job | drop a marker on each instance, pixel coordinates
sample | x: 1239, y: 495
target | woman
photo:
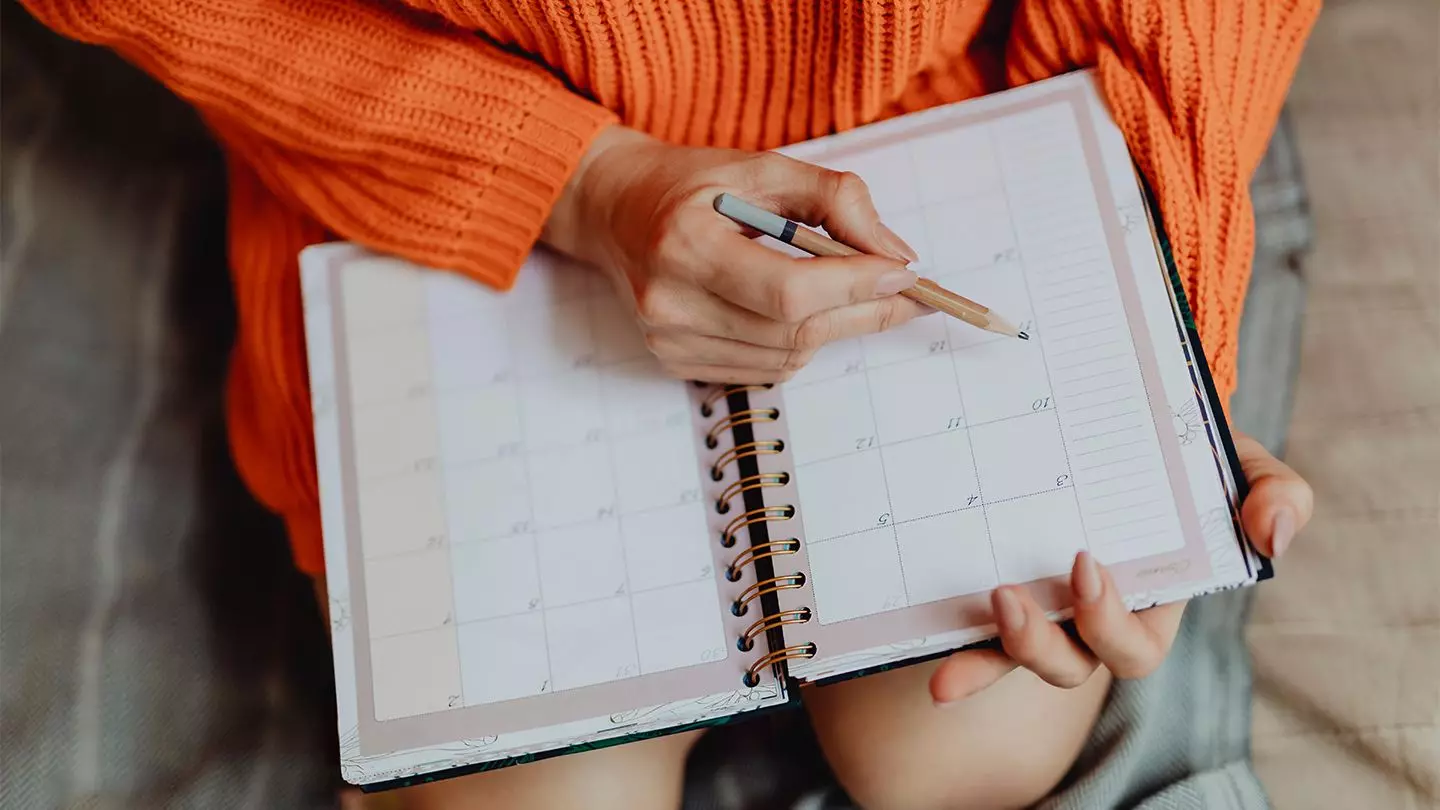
x: 459, y: 133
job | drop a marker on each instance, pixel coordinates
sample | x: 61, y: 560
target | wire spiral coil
x: 760, y: 554
x: 762, y: 515
x: 748, y: 483
x: 752, y: 675
x: 742, y: 451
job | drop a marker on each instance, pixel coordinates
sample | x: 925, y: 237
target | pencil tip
x: 1024, y: 336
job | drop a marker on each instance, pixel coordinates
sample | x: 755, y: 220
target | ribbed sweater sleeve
x: 1197, y: 86
x: 389, y: 127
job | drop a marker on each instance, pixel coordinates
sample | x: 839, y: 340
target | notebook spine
x: 761, y: 523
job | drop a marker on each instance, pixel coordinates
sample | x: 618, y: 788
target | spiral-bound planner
x: 537, y: 543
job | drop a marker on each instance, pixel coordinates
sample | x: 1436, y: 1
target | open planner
x: 536, y: 542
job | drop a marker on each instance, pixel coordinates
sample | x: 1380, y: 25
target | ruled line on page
x: 1101, y: 404
x: 1122, y: 507
x: 1130, y: 522
x: 1107, y: 418
x: 1104, y: 464
x: 1106, y: 433
x: 1086, y: 319
x: 1122, y: 477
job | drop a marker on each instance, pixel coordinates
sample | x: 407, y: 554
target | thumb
x: 1280, y: 501
x: 967, y: 672
x: 839, y: 202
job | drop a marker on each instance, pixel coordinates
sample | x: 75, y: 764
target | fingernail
x: 1282, y: 531
x: 1012, y: 614
x: 1086, y: 579
x: 894, y: 281
x: 895, y: 244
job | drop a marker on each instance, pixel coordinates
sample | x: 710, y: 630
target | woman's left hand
x: 1130, y: 645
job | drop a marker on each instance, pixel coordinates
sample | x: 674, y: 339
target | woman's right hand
x: 714, y: 304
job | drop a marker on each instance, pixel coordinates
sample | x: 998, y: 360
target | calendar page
x: 518, y: 549
x: 934, y: 462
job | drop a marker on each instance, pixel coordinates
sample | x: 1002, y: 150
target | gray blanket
x: 159, y: 651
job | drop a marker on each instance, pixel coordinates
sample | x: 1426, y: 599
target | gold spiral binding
x: 707, y: 407
x: 752, y: 675
x: 785, y: 582
x: 754, y: 554
x: 761, y: 515
x: 749, y: 416
x: 765, y: 447
x: 764, y: 624
x: 749, y: 482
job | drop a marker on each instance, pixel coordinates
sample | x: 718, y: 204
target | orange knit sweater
x: 443, y: 130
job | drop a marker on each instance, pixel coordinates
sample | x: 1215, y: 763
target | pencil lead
x: 1024, y: 336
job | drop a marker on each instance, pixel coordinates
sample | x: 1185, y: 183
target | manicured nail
x: 1012, y: 614
x: 895, y: 244
x: 894, y: 281
x: 1282, y: 531
x: 1086, y: 580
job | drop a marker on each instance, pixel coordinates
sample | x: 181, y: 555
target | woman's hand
x: 1130, y: 645
x: 714, y: 304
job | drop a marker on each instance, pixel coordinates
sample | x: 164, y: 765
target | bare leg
x: 645, y: 775
x: 1007, y: 746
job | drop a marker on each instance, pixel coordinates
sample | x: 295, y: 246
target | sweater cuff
x: 539, y: 159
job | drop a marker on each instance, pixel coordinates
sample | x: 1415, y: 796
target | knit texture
x: 444, y: 131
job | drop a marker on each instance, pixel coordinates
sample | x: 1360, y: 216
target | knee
x: 644, y: 775
x: 1007, y: 747
x: 881, y: 777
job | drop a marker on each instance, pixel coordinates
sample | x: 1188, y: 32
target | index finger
x: 790, y: 289
x: 967, y: 672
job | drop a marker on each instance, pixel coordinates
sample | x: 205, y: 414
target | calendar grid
x: 1041, y: 247
x: 811, y: 380
x: 979, y: 486
x: 452, y: 634
x: 519, y: 613
x: 445, y: 547
x: 1047, y: 269
x: 531, y: 495
x: 615, y: 491
x: 921, y: 518
x: 916, y: 206
x: 510, y: 535
x: 535, y: 553
x: 889, y: 501
x: 923, y: 436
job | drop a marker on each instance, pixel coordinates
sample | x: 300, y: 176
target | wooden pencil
x: 815, y: 243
